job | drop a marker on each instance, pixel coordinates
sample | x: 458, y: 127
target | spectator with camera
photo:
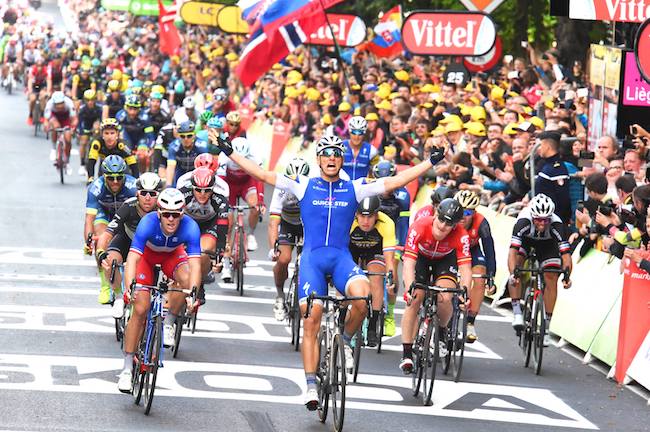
x: 597, y: 202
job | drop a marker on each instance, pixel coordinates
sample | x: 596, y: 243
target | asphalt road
x: 59, y: 359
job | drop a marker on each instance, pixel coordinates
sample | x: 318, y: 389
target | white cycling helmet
x: 58, y: 97
x: 171, y: 199
x: 329, y: 141
x: 240, y: 146
x: 358, y: 123
x: 541, y: 206
x: 149, y: 182
x: 189, y: 102
x: 468, y: 199
x: 297, y: 166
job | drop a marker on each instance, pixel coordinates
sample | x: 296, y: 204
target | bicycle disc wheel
x: 338, y: 382
x: 526, y: 335
x: 380, y: 331
x: 539, y: 331
x: 420, y: 350
x: 154, y: 360
x: 356, y: 354
x: 432, y: 339
x: 458, y: 346
x: 323, y: 376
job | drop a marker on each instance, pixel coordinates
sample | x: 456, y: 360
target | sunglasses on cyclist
x: 356, y: 132
x: 446, y: 222
x: 468, y: 213
x: 203, y: 190
x: 114, y: 177
x: 186, y: 135
x: 233, y: 124
x: 542, y: 220
x: 146, y: 193
x: 173, y: 215
x: 331, y: 152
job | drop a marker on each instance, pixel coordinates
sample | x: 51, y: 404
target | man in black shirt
x: 552, y: 178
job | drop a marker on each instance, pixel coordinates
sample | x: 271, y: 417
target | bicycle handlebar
x: 532, y: 271
x: 438, y: 289
x: 241, y: 207
x: 335, y: 300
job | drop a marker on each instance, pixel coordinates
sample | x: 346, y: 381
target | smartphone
x: 584, y: 154
x: 513, y: 75
x: 524, y: 44
x: 634, y: 130
x: 561, y: 94
x: 582, y: 92
x: 580, y: 205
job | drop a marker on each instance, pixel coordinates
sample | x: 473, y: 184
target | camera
x: 605, y: 209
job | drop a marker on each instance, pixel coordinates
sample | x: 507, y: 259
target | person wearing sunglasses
x: 328, y: 205
x: 483, y: 255
x: 211, y: 162
x: 209, y: 209
x: 172, y: 239
x: 104, y: 198
x: 437, y: 249
x: 109, y: 143
x: 538, y: 226
x: 359, y: 154
x: 115, y: 242
x: 183, y: 151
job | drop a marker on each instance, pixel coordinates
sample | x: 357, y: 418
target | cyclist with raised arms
x: 115, y: 242
x: 327, y: 205
x: 538, y: 226
x: 483, y: 256
x: 285, y: 228
x: 437, y: 248
x: 105, y: 196
x: 173, y: 240
x: 359, y: 154
x: 372, y: 245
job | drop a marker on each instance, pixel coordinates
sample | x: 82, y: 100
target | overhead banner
x: 229, y: 20
x: 448, y: 33
x: 610, y: 10
x: 116, y: 5
x: 349, y: 30
x: 200, y: 13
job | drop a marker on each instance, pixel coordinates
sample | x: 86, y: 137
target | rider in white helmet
x: 359, y: 154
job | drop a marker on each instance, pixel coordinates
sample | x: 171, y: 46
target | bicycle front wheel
x: 152, y: 364
x: 539, y: 331
x: 178, y: 332
x: 431, y: 360
x: 338, y: 382
x: 381, y: 320
x: 420, y: 352
x: 294, y: 313
x: 239, y: 258
x: 526, y: 336
x: 323, y: 376
x: 358, y: 343
x: 60, y: 160
x: 458, y: 346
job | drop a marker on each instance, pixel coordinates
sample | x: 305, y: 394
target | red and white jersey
x: 230, y: 171
x: 425, y: 211
x: 420, y: 241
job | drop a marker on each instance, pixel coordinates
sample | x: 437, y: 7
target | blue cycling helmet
x: 215, y: 122
x: 113, y: 164
x: 186, y: 127
x: 132, y: 100
x: 179, y: 87
x: 383, y: 169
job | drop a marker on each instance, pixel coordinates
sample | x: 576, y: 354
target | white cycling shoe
x: 518, y: 322
x: 124, y: 381
x: 349, y: 358
x: 82, y: 172
x: 226, y: 274
x: 168, y: 338
x: 118, y: 307
x: 251, y: 243
x: 311, y: 400
x: 279, y: 309
x: 52, y: 155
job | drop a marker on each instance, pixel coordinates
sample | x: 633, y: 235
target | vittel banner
x: 610, y: 10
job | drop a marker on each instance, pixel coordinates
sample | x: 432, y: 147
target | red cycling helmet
x: 203, y: 177
x: 206, y: 160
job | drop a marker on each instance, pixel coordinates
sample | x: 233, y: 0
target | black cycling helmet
x: 441, y: 193
x: 450, y: 211
x: 369, y: 205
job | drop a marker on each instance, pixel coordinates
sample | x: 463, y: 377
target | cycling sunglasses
x: 542, y: 220
x: 356, y: 132
x: 173, y: 215
x: 331, y: 151
x: 145, y: 193
x: 114, y: 177
x: 203, y: 190
x: 468, y: 213
x: 186, y: 135
x: 446, y: 222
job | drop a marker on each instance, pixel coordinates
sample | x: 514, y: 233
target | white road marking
x: 224, y: 381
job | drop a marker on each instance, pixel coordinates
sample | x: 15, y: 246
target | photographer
x: 586, y: 214
x: 628, y: 226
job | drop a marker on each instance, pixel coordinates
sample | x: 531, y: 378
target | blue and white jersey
x: 100, y: 200
x: 358, y: 167
x: 328, y: 209
x: 150, y: 234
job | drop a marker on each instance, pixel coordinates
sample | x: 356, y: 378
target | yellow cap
x: 453, y: 127
x: 527, y: 109
x: 312, y: 94
x: 372, y: 116
x: 475, y: 100
x: 231, y: 56
x: 355, y: 87
x: 465, y: 110
x: 327, y: 119
x: 453, y: 118
x: 537, y: 122
x: 475, y: 128
x: 478, y: 113
x: 294, y: 77
x: 393, y: 95
x: 344, y: 107
x: 206, y: 72
x: 357, y: 111
x: 549, y: 104
x: 384, y: 104
x: 383, y: 92
x: 426, y: 105
x: 402, y: 75
x: 510, y: 129
x: 291, y: 92
x: 497, y: 93
x: 427, y: 88
x: 438, y: 131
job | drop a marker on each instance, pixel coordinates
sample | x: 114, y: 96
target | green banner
x: 116, y: 5
x: 136, y: 7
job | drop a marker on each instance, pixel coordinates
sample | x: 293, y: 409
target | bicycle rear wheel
x: 420, y: 352
x: 358, y: 343
x: 323, y: 376
x: 432, y: 339
x: 294, y: 313
x: 539, y: 331
x: 338, y: 382
x: 152, y: 364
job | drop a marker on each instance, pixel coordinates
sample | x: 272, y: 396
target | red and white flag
x: 169, y: 38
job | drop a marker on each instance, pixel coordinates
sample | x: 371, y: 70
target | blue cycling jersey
x: 149, y: 234
x: 102, y: 202
x: 358, y: 167
x: 138, y: 131
x: 185, y: 158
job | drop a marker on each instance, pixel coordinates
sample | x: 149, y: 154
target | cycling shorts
x: 547, y: 250
x: 66, y: 122
x: 120, y: 243
x: 317, y: 264
x: 428, y: 270
x: 289, y: 234
x: 209, y: 228
x: 478, y: 259
x: 169, y: 261
x: 240, y: 188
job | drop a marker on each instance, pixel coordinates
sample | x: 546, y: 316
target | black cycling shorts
x: 547, y: 250
x: 428, y: 270
x: 120, y: 243
x: 289, y: 234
